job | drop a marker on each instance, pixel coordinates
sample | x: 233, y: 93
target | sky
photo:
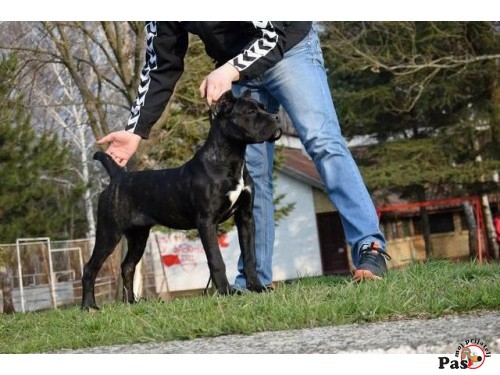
x: 317, y: 10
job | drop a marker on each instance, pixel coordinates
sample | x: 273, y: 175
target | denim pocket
x: 317, y: 52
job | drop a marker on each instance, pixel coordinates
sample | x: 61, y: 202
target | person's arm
x: 263, y: 51
x: 166, y: 46
x: 121, y: 145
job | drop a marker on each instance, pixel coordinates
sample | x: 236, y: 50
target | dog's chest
x: 235, y: 192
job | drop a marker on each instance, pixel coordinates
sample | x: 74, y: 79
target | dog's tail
x: 109, y: 164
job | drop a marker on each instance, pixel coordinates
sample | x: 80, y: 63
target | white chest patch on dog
x: 235, y: 194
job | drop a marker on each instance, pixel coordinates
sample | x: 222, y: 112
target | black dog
x: 207, y: 190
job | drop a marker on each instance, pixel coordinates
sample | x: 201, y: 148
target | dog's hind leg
x: 106, y: 241
x: 136, y: 240
x: 208, y: 236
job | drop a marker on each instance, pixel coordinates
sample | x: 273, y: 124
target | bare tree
x: 393, y: 47
x: 102, y: 59
x: 79, y: 80
x: 71, y: 119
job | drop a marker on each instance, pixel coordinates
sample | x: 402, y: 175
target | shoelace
x: 370, y: 254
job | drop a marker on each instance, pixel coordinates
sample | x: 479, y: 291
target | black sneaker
x: 371, y: 262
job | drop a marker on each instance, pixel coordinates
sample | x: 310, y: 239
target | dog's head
x: 467, y: 354
x: 244, y: 119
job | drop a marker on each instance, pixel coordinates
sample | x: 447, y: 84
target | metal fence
x: 47, y: 274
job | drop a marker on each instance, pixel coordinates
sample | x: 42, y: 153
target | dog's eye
x: 251, y: 111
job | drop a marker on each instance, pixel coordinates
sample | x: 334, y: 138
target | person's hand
x: 122, y: 145
x: 218, y: 82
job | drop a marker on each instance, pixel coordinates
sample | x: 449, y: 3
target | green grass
x: 422, y: 290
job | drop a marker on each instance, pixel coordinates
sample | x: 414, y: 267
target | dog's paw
x: 236, y: 292
x: 89, y: 308
x: 257, y: 288
x: 225, y: 291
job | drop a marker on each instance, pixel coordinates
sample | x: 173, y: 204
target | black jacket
x: 251, y: 47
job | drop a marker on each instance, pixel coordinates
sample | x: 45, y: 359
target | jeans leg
x: 299, y: 83
x: 259, y: 162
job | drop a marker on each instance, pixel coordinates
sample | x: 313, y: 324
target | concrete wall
x: 296, y: 247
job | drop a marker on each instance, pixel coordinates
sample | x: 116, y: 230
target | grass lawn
x: 423, y: 290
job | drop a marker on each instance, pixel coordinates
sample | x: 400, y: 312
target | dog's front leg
x: 208, y: 236
x: 245, y: 224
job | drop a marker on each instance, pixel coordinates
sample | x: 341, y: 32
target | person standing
x: 280, y: 63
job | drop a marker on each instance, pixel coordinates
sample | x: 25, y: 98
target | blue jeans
x: 299, y: 83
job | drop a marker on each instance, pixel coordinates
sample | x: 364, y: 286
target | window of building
x: 441, y: 222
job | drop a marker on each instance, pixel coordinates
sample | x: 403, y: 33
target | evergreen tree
x: 32, y: 203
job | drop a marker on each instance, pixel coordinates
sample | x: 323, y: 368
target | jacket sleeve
x: 166, y: 45
x: 263, y: 51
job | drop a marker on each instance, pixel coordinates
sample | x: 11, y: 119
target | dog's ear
x: 225, y: 103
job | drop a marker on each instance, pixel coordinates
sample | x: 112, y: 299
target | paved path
x: 429, y: 336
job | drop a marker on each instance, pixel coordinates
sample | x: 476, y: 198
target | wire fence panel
x: 47, y: 274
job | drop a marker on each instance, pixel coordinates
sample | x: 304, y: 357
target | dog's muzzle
x: 276, y: 135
